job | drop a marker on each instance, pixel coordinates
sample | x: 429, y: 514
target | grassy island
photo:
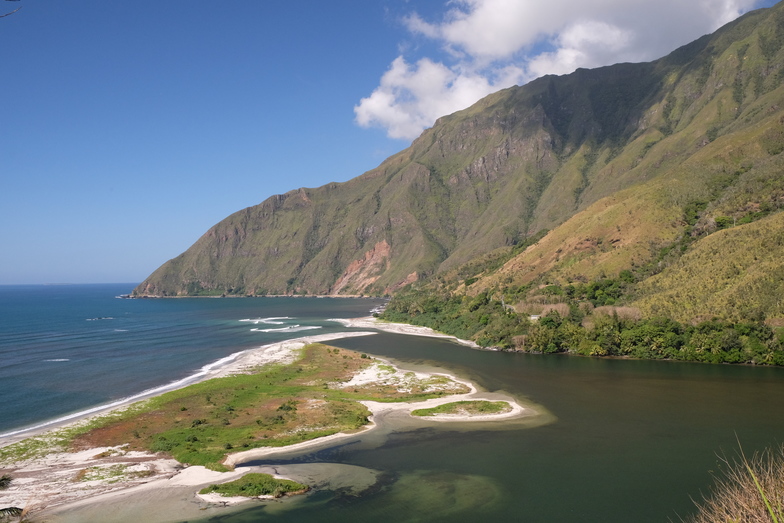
x: 466, y: 408
x: 271, y: 406
x: 274, y: 397
x: 256, y: 484
x: 275, y: 406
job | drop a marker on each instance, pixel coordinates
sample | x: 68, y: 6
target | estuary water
x: 621, y: 441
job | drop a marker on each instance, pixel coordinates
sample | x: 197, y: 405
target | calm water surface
x: 633, y: 440
x: 630, y: 441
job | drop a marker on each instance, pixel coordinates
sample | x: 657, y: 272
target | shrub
x: 256, y: 484
x: 749, y: 490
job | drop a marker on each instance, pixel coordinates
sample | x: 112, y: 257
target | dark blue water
x: 65, y: 349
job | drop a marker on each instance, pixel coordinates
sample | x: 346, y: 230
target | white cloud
x: 411, y: 97
x: 586, y: 44
x: 491, y: 44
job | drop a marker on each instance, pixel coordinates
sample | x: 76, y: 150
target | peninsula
x: 287, y: 397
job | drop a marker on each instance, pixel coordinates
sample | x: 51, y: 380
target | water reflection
x: 628, y: 441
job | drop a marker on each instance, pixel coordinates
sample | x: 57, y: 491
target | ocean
x: 68, y: 349
x: 626, y: 440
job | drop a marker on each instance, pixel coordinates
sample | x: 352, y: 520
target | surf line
x: 130, y: 399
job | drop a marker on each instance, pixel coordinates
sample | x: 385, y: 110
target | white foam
x: 149, y: 392
x: 282, y: 349
x: 59, y: 359
x: 290, y: 328
x: 269, y: 321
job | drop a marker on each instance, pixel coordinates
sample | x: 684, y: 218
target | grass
x: 277, y: 405
x: 748, y: 491
x: 466, y: 407
x: 729, y: 274
x: 59, y: 440
x: 254, y: 485
x: 110, y: 474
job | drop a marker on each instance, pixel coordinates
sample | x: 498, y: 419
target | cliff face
x: 546, y: 155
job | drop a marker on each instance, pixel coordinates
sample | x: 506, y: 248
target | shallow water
x: 632, y: 441
x: 624, y: 440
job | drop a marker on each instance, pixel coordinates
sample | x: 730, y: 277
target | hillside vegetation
x: 655, y: 186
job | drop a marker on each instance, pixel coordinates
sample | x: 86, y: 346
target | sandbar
x: 47, y: 487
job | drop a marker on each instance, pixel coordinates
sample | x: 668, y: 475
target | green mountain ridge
x: 649, y: 168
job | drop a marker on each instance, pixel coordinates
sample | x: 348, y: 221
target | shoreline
x: 225, y: 366
x: 369, y: 322
x: 233, y: 363
x: 162, y: 297
x: 170, y: 476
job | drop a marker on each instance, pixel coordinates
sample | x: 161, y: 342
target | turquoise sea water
x: 629, y: 441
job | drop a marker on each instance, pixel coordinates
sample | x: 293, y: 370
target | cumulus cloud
x: 411, y: 96
x: 584, y: 44
x: 491, y: 44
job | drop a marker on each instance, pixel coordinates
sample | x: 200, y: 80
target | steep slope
x: 716, y: 164
x: 610, y: 159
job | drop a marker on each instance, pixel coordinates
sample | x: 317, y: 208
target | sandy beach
x: 66, y: 486
x: 370, y: 322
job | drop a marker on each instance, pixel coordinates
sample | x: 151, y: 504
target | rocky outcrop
x: 361, y: 274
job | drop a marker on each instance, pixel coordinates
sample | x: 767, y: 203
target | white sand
x: 370, y: 322
x: 238, y: 363
x: 282, y: 352
x: 54, y: 482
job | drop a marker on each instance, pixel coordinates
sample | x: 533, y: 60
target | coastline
x: 234, y: 363
x: 166, y: 475
x: 369, y: 322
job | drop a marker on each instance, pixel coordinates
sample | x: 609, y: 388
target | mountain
x: 648, y: 169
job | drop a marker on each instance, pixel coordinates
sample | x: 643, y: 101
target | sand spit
x: 62, y: 486
x: 281, y: 352
x: 237, y: 363
x: 370, y: 322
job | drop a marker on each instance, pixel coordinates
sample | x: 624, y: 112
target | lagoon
x: 618, y: 441
x: 630, y: 441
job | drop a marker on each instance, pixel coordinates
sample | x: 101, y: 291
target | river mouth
x: 623, y: 441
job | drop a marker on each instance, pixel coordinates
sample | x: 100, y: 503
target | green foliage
x: 722, y: 222
x: 5, y: 481
x: 481, y: 318
x: 693, y: 210
x: 487, y: 322
x: 245, y: 411
x: 465, y: 407
x: 256, y: 484
x: 606, y: 291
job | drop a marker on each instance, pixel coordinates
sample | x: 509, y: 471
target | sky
x: 130, y: 128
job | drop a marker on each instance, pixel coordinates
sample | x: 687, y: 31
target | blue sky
x: 130, y: 128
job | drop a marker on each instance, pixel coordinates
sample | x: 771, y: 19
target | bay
x: 65, y: 349
x: 626, y: 440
